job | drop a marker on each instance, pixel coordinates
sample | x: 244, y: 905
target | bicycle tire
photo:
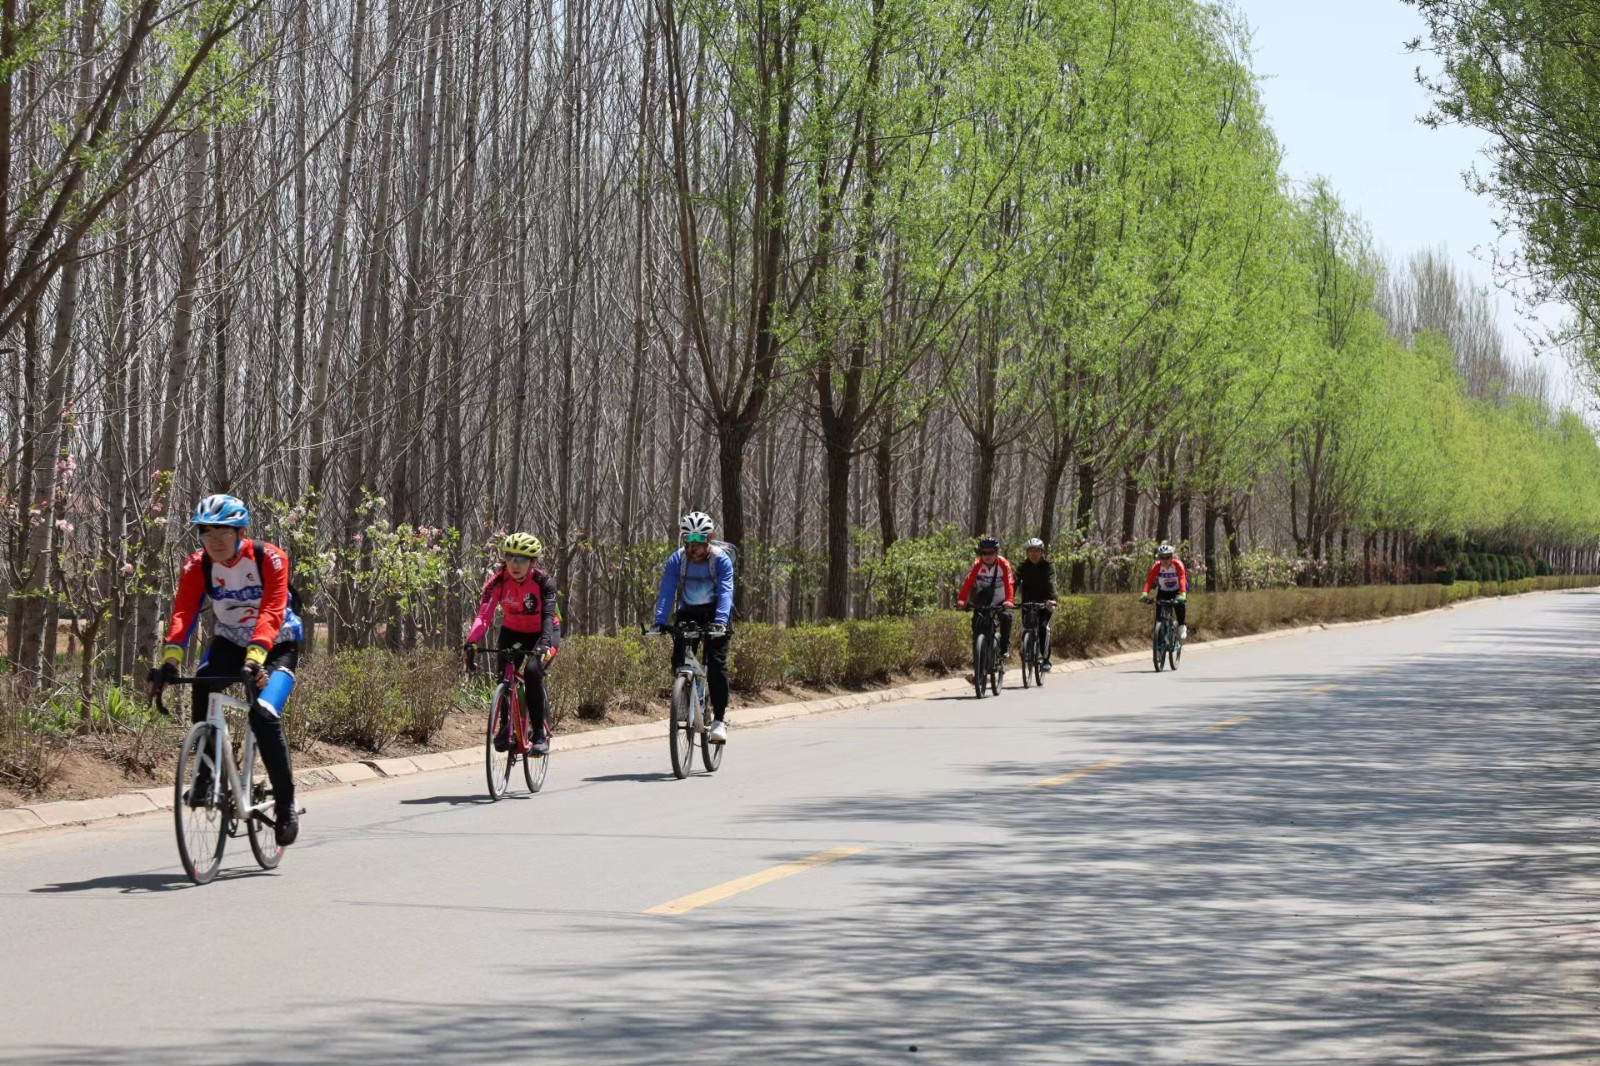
x: 1028, y: 653
x: 680, y: 731
x: 202, y: 831
x: 497, y: 764
x: 997, y: 670
x: 710, y: 754
x: 1161, y: 646
x: 980, y: 671
x: 1175, y: 653
x: 263, y: 837
x: 535, y: 767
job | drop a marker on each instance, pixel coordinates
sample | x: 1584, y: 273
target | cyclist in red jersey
x: 1171, y: 582
x: 525, y: 595
x: 990, y: 583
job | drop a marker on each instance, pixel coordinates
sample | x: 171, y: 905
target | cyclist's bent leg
x: 717, y: 672
x: 533, y: 698
x: 1044, y: 633
x: 1005, y: 633
x: 224, y: 660
x: 266, y: 721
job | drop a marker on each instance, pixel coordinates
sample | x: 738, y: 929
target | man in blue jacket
x: 697, y: 586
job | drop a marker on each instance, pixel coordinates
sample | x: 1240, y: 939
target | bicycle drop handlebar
x: 224, y: 682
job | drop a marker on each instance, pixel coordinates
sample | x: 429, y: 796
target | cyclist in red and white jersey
x: 1171, y: 582
x: 990, y: 583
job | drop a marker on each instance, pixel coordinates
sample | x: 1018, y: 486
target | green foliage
x: 756, y: 658
x: 370, y: 698
x: 816, y: 655
x: 875, y: 650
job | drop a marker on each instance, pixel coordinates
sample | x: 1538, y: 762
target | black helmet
x: 989, y: 544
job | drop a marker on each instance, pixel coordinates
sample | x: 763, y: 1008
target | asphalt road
x: 1368, y: 845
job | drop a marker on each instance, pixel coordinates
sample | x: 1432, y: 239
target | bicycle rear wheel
x: 680, y: 729
x: 1175, y: 653
x: 203, y: 830
x: 263, y: 837
x: 1161, y: 645
x: 534, y: 767
x: 497, y: 764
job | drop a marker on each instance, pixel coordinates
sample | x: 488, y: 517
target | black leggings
x: 225, y: 660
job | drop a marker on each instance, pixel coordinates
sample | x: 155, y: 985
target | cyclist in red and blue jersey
x: 1171, y: 582
x: 990, y: 583
x: 257, y: 633
x: 697, y: 586
x: 525, y: 595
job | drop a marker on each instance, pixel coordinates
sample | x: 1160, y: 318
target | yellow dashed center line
x: 687, y: 903
x: 1320, y: 688
x: 1233, y: 721
x: 1061, y: 779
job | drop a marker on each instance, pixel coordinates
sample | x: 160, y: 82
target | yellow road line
x: 1233, y: 721
x: 1103, y: 764
x: 1320, y: 688
x: 687, y: 903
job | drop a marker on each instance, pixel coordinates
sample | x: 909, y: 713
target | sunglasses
x: 519, y: 558
x: 696, y: 538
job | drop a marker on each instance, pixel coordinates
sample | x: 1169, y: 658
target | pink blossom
x: 64, y: 526
x: 127, y: 569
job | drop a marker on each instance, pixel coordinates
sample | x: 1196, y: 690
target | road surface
x: 1366, y: 845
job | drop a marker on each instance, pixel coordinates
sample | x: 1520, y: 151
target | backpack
x: 205, y: 574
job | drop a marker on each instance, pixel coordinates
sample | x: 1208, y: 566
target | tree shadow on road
x: 1399, y: 870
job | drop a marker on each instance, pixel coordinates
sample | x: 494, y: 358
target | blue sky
x: 1341, y: 95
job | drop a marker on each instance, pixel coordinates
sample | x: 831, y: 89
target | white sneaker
x: 1183, y: 632
x: 719, y: 733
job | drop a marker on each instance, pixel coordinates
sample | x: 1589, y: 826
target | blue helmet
x: 221, y: 510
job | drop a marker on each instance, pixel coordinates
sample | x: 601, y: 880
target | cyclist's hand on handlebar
x: 717, y: 631
x: 1144, y: 597
x: 1008, y: 605
x: 160, y: 677
x: 469, y: 652
x: 657, y: 630
x: 1050, y: 604
x: 961, y: 605
x: 1183, y: 597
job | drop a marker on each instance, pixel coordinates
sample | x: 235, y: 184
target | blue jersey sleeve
x: 668, y: 593
x: 724, y: 588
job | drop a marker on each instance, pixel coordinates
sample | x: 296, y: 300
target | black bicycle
x: 1035, y: 644
x: 988, y: 667
x: 1165, y: 647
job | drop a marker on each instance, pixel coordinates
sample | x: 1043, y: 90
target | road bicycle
x: 507, y: 703
x: 1165, y: 647
x: 691, y: 711
x: 209, y: 806
x: 988, y: 668
x: 1035, y: 644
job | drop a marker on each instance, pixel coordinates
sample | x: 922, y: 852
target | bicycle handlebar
x: 224, y: 682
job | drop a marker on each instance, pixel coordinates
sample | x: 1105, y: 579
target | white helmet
x: 1035, y: 542
x: 696, y: 522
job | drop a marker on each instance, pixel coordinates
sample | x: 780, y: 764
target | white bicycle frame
x: 695, y: 674
x: 217, y: 706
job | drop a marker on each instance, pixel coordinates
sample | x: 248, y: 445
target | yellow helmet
x: 521, y: 544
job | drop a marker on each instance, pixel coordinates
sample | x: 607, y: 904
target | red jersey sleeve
x: 274, y: 567
x: 1183, y: 576
x: 1011, y: 584
x: 1150, y: 578
x: 966, y: 586
x: 186, y: 602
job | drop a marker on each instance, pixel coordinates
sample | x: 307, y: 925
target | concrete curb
x: 40, y: 816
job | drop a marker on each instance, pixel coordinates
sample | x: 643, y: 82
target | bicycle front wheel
x: 680, y: 730
x: 497, y: 764
x: 1028, y: 654
x: 1175, y: 654
x: 980, y: 664
x: 263, y: 838
x: 202, y: 829
x: 1161, y: 646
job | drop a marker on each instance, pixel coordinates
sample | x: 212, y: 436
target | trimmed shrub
x: 816, y: 655
x: 369, y: 698
x: 755, y: 659
x: 876, y: 649
x: 941, y: 641
x: 591, y: 674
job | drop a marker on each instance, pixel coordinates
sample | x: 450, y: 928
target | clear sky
x: 1342, y: 96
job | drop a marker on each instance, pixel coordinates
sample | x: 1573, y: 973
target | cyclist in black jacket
x: 1036, y: 583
